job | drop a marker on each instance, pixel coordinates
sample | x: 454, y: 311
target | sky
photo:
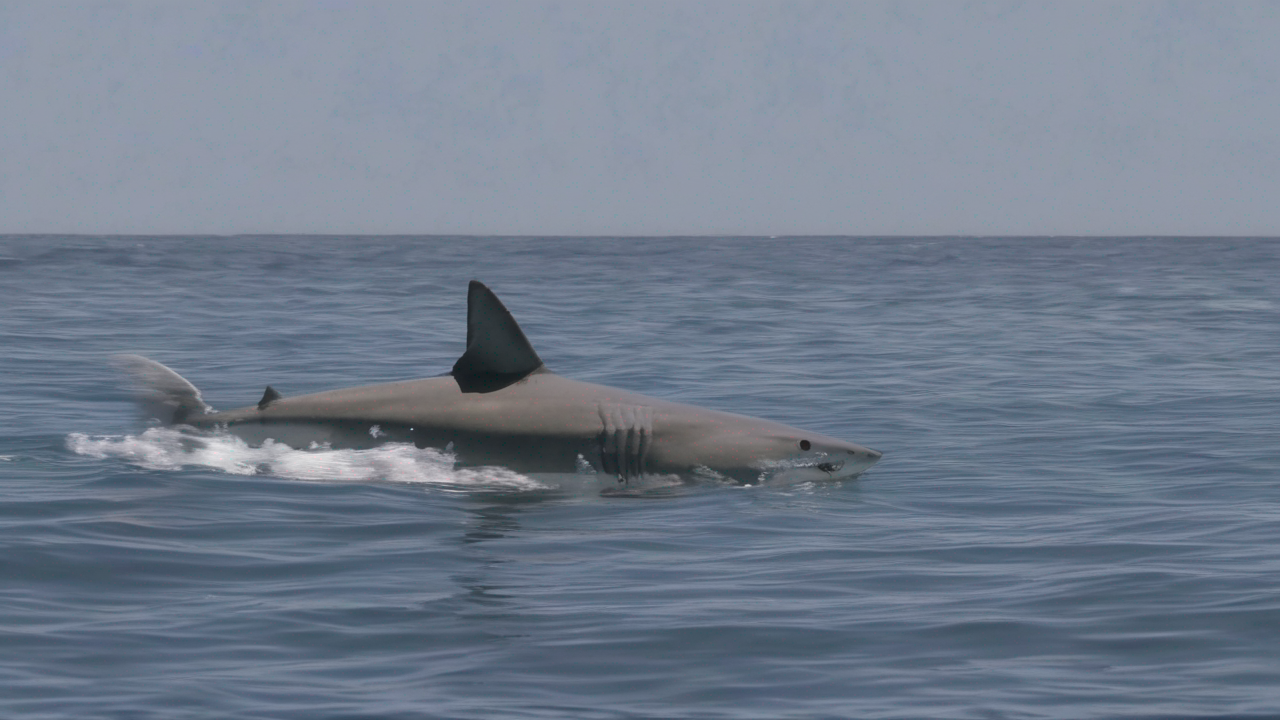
x: 640, y: 118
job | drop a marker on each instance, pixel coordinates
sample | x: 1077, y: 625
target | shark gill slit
x: 624, y: 440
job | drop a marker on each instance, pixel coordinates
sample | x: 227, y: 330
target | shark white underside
x: 501, y: 406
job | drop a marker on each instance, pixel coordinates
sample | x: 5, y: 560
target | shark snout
x: 864, y: 457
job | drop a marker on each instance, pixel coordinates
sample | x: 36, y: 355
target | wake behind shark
x: 500, y: 405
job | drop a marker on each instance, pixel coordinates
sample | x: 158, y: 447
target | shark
x: 500, y: 405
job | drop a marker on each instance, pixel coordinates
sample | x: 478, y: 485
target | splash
x: 171, y: 449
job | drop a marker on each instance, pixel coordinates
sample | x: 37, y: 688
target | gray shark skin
x: 501, y: 406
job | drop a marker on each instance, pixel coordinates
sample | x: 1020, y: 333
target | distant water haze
x: 650, y: 118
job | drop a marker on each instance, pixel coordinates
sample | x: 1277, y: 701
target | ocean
x: 1077, y: 513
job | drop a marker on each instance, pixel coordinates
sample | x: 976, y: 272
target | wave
x: 172, y: 449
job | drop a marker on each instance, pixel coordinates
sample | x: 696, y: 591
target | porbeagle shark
x: 500, y: 405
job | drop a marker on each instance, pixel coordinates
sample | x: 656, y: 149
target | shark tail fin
x: 161, y: 393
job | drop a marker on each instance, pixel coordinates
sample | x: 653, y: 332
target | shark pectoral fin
x: 269, y: 396
x: 625, y: 438
x: 498, y: 354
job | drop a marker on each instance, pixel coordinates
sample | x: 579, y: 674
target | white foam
x: 170, y: 449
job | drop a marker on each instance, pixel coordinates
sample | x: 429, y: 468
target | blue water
x: 1078, y: 512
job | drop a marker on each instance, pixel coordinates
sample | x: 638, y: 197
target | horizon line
x: 540, y: 236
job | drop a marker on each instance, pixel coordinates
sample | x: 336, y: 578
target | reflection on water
x: 492, y: 522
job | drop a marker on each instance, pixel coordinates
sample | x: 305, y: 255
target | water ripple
x: 1076, y: 514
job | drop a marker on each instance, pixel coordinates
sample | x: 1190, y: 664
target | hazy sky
x: 640, y: 118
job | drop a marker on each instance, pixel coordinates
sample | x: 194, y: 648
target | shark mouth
x: 826, y: 467
x: 802, y: 469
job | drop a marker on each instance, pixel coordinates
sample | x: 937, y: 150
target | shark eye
x: 805, y: 444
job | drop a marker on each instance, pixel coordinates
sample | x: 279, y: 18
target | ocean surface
x: 1077, y: 514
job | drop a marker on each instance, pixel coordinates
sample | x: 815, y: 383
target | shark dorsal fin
x: 498, y: 354
x: 269, y: 396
